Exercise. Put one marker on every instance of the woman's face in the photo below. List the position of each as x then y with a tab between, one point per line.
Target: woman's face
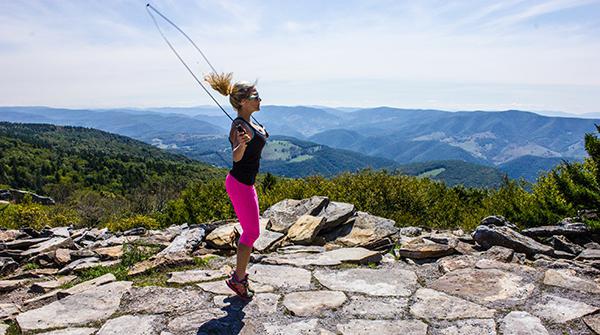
252	103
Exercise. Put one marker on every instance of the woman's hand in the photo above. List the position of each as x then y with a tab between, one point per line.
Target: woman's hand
243	138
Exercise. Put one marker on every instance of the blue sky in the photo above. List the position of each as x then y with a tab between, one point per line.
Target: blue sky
452	55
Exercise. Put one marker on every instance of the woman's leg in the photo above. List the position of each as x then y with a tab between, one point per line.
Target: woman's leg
245	204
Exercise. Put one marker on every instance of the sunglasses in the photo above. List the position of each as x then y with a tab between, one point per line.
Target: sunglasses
254	96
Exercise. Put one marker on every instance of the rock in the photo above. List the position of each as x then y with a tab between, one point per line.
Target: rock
593	321
484	285
157	262
281	277
562	243
311	303
49	245
469	327
90	284
425	250
285	213
518	323
591	254
261	304
18	195
10	285
499	253
497	220
46	286
223	237
305	229
163	300
3	329
569	279
565	229
376	282
75	264
132	325
75	310
23	244
72	331
139	231
267	239
383	327
10	235
448	264
489	236
192	323
411	231
82	253
60	232
184	244
62	256
336	214
362	230
305	327
9	311
7	265
430	304
332	257
113	252
375	308
196	276
293	249
561	310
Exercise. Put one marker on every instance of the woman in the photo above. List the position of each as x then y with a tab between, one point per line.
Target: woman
247	141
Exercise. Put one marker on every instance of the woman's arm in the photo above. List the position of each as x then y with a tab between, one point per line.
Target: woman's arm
239	140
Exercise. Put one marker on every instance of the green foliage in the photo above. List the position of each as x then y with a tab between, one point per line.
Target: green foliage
135	221
16	216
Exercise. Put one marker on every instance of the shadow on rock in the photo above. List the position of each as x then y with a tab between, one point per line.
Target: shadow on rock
230	324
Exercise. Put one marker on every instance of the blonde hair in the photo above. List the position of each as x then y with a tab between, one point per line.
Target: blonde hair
236	92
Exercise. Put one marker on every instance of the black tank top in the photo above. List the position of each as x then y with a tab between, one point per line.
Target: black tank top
246	169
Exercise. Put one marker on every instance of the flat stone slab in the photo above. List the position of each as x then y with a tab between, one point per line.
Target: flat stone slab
484	285
132	325
590	254
593	321
467	327
72	331
76	310
377	282
449	264
160	300
280	276
383	327
195	276
517	323
328	258
569	279
220	287
46	286
306	327
191	323
261	304
375	307
8	311
313	303
561	310
425	250
431	304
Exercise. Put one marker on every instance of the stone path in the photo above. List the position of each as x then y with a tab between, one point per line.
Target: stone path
455	295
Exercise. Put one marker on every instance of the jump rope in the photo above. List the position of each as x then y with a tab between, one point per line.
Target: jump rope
150	9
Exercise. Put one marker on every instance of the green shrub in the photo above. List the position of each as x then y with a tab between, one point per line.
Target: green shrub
135	221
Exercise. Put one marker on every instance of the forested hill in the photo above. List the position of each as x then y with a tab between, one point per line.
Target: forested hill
56	160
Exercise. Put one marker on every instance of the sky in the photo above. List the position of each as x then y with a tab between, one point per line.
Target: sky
449	55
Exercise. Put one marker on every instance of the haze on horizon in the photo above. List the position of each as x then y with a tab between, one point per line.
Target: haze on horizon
449	55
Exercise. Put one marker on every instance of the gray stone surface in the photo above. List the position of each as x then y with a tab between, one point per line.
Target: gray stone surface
364	307
313	303
484	285
468	327
332	257
522	323
93	305
377	282
560	310
190	323
280	277
305	229
163	300
431	304
132	325
383	327
72	331
364	229
336	213
184	243
425	250
489	236
49	245
196	276
593	321
591	254
569	279
286	212
9	310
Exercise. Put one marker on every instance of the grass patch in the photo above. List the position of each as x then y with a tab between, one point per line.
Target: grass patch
30	266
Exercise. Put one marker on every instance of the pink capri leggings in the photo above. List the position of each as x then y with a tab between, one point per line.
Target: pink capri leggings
245	203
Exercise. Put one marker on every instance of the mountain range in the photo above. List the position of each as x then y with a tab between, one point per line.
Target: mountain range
520	143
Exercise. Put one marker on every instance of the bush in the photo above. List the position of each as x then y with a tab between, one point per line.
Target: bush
135	221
